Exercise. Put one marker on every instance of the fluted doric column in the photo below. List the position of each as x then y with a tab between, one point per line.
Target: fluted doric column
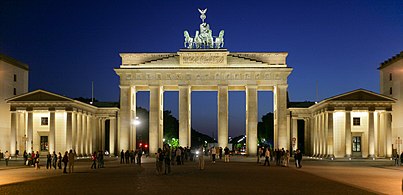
371	134
52	131
281	139
348	133
185	115
156	119
222	114
251	120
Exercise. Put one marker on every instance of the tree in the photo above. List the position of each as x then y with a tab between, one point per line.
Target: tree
265	130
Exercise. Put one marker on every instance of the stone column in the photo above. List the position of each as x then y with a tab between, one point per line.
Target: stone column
133	132
222	113
103	134
306	137
69	130
155	119
13	135
79	134
125	117
89	135
30	132
94	133
348	133
388	120
52	131
251	120
371	134
185	116
280	118
330	145
84	134
74	129
294	134
112	135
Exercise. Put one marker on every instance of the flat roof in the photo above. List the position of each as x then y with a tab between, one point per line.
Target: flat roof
391	60
14	62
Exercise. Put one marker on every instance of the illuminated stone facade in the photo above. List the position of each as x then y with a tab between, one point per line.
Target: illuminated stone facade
46	122
202	70
13	81
391	78
355	124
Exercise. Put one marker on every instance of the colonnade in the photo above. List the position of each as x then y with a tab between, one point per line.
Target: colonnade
127	133
329	133
66	129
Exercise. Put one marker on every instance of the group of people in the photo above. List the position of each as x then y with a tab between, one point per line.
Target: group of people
6	156
131	157
398	158
98	158
218	150
280	156
52	160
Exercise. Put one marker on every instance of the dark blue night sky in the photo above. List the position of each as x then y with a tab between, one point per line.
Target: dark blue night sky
336	45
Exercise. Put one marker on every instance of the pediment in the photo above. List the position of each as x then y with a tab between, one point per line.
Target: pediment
361	95
39	96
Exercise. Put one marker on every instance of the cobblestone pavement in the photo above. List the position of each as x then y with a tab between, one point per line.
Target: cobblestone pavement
240	176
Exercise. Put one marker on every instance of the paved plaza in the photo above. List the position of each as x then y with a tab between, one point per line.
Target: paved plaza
240	176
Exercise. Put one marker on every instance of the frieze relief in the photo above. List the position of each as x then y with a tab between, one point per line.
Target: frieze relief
207	76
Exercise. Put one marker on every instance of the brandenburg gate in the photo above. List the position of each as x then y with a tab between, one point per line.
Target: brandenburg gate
202	66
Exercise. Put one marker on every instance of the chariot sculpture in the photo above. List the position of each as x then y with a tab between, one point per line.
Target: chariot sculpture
204	38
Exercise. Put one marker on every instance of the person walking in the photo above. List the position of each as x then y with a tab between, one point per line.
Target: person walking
71	161
201	159
7	157
94	160
267	157
65	160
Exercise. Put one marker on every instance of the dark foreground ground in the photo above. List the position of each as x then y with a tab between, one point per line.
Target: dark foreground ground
240	177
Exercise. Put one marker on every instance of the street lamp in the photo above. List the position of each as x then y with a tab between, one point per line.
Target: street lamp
136	121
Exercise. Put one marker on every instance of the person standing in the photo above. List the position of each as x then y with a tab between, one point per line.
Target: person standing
298	158
267	157
139	156
48	161
122	157
213	154
71	161
65	160
7	157
167	156
54	159
226	154
94	160
159	160
259	154
59	160
37	160
201	159
220	153
25	157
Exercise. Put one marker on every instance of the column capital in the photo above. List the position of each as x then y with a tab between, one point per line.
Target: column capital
282	86
251	86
